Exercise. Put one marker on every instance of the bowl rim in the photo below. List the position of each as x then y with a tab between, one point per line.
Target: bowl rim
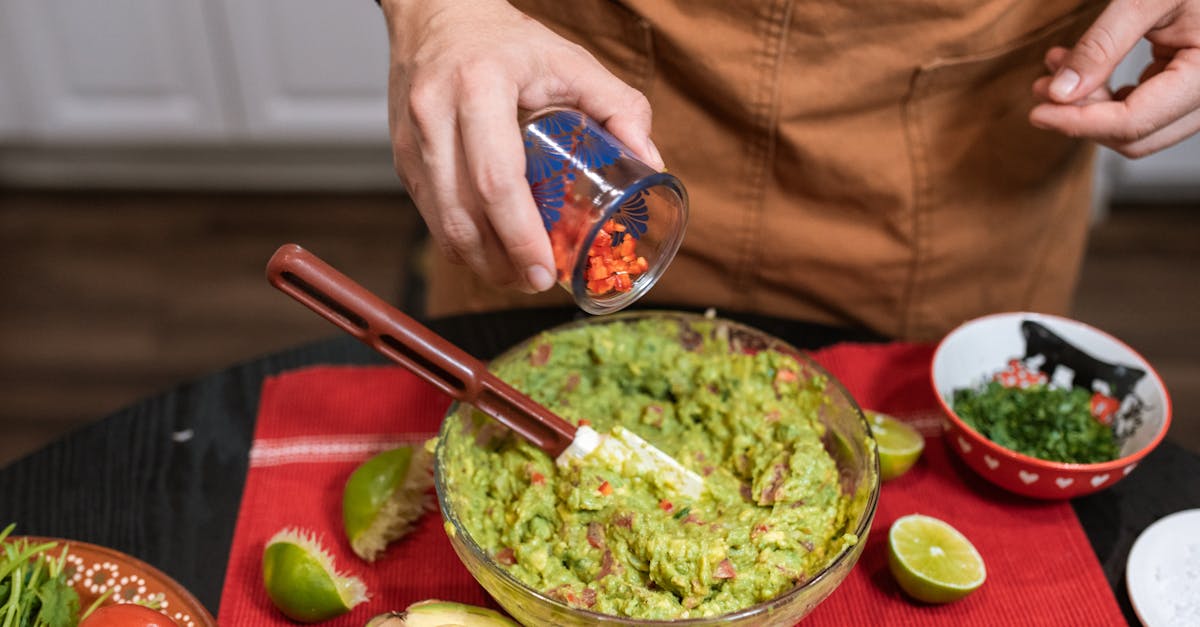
862	531
1046	464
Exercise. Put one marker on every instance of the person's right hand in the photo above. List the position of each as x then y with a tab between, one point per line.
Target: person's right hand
460	70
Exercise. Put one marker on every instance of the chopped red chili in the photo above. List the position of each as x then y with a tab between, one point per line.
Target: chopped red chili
613	268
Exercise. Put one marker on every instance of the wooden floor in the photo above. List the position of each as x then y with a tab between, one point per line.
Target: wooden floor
108	297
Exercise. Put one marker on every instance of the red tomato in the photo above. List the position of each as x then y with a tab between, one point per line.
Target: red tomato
127	615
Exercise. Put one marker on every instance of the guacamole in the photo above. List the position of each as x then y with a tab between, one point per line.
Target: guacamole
773	513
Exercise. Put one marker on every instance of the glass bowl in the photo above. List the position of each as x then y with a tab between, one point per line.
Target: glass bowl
847	439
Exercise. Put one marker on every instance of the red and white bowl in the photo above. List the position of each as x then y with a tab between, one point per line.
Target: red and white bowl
1065	350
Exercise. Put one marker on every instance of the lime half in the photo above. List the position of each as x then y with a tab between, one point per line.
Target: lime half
302	582
899	444
932	561
384	497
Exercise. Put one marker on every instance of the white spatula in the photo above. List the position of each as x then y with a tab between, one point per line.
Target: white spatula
314	283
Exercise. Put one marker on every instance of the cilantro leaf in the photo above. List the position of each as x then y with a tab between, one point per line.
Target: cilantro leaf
1048	423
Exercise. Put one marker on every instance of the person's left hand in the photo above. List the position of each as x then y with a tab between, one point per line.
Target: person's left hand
1135	120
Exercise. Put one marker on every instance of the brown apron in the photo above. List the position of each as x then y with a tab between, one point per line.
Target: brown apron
852	162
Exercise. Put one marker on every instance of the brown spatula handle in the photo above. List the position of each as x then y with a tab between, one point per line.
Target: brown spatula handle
314	283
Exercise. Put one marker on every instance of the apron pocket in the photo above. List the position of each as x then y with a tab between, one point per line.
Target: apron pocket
998	204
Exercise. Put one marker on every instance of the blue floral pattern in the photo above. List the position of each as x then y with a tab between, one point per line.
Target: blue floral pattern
593	150
542	161
561	142
633	215
548	195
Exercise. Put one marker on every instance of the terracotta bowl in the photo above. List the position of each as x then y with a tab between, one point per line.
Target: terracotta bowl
94	570
1062	352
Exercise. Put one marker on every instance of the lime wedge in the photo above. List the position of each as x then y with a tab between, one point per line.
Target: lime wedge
384	497
899	444
932	561
301	580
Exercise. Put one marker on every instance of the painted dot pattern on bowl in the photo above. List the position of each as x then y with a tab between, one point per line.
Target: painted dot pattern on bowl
94	571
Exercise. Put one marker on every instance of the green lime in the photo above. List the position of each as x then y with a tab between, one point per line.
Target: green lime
302	582
384	497
433	613
899	444
932	561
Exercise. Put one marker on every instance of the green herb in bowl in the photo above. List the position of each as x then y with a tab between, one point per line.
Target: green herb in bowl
1040	421
34	586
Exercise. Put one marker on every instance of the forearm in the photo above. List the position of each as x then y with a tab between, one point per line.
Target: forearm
408	18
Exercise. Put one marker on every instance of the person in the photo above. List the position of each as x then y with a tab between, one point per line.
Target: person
900	166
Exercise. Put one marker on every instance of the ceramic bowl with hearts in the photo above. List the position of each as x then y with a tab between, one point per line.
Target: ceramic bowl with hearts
1020	349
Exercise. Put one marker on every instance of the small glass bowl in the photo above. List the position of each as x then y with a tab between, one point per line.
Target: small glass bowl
614	222
848	440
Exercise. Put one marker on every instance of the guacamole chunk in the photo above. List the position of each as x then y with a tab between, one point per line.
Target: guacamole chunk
773	513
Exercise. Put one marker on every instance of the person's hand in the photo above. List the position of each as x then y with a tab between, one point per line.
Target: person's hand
1161	110
460	71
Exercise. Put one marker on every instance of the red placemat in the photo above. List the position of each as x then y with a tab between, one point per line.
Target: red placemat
316	425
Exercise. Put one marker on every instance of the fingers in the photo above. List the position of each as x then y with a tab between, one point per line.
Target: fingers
457	143
623	110
1168	96
1164	138
429	153
1090	63
1041	91
1054	58
495	165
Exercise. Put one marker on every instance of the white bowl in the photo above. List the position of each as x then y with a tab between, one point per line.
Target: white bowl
1071	353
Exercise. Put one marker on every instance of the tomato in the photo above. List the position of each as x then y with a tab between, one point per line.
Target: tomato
127	615
613	268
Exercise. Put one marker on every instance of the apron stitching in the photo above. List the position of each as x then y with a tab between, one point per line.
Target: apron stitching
760	147
920	182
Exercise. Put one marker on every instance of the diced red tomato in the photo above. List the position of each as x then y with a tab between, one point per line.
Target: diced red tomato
665	505
506	556
1103	407
595	535
537	478
613	269
725	570
605	488
126	615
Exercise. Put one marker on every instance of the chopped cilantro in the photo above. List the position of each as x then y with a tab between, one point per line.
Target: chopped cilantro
33	585
1040	421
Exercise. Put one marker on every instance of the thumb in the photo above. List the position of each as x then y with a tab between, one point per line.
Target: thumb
622	110
1094	58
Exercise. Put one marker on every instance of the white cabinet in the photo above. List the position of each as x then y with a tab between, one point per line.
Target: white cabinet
149	71
117	70
290	89
1178	166
1174	172
309	70
12	114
